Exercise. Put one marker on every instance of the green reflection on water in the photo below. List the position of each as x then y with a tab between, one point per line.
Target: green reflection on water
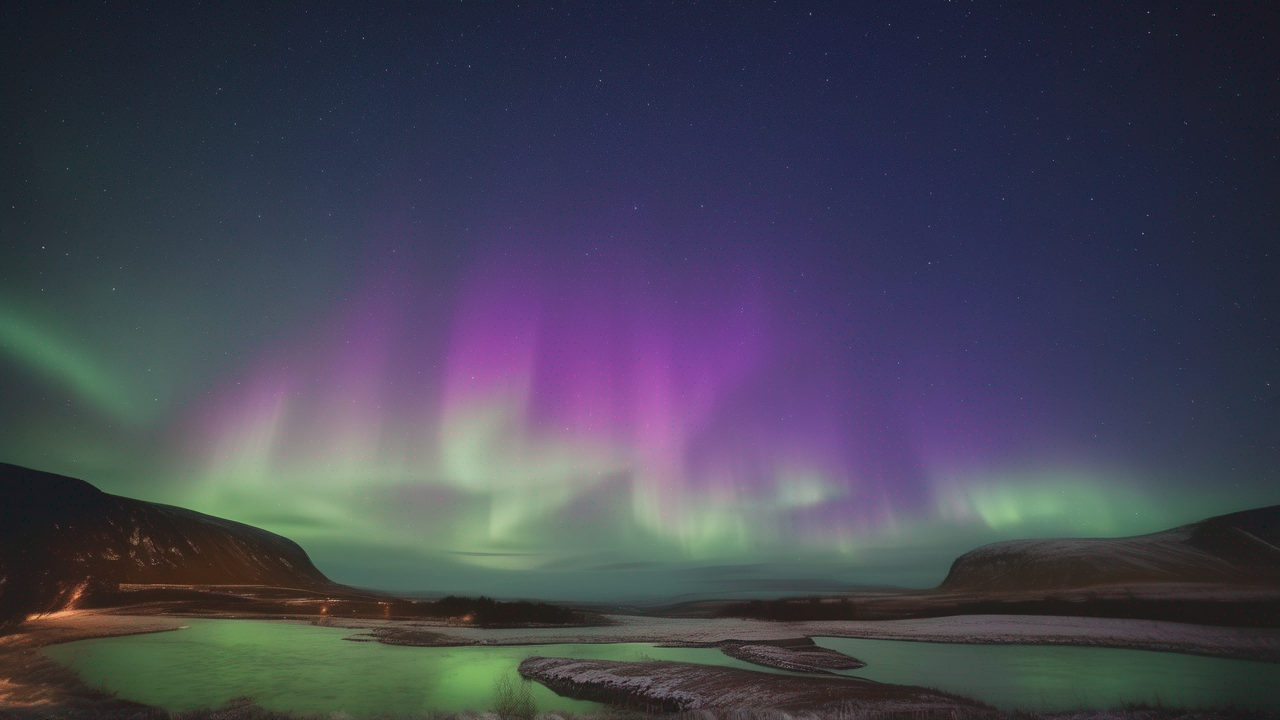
1040	677
303	669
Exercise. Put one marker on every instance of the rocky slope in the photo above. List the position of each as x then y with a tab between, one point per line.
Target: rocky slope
1239	549
62	539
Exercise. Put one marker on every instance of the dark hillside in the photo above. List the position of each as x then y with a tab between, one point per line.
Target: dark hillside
1241	548
62	538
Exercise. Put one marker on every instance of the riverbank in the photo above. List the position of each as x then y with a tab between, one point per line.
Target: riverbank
30	681
32	685
1262	644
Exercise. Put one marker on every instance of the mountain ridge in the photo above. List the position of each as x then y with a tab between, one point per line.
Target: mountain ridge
1240	548
62	538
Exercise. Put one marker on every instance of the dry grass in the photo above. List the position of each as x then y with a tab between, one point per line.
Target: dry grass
513	698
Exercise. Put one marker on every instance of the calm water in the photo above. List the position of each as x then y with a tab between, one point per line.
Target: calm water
1041	677
308	669
304	669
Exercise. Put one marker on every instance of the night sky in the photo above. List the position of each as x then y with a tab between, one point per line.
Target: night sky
599	302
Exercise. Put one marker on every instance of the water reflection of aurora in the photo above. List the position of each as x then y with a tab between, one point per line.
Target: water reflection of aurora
304	669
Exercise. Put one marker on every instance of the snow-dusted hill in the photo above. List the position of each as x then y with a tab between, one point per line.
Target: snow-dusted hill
61	537
1238	549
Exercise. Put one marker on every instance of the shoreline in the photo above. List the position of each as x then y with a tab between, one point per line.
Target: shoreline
1255	644
33	683
684	687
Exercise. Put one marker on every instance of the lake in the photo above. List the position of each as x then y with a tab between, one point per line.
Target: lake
305	669
1045	677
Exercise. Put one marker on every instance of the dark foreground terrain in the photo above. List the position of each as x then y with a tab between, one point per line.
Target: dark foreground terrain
337	602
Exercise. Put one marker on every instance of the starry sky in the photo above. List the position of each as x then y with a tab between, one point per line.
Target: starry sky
637	300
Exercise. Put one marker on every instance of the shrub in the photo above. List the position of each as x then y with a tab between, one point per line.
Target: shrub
513	698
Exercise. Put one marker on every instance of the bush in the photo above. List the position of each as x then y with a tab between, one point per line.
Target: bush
513	698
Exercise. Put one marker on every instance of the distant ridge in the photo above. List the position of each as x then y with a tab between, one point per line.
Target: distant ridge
61	538
1221	571
1241	548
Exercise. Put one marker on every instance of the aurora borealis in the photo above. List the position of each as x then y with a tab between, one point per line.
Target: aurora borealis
595	302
